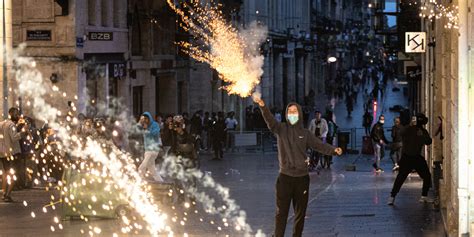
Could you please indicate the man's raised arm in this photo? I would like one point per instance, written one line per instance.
(270, 120)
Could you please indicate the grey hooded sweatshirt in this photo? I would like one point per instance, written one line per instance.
(293, 141)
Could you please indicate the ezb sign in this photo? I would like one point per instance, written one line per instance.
(101, 36)
(415, 42)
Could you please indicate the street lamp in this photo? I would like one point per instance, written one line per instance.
(332, 59)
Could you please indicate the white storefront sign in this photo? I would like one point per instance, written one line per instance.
(415, 42)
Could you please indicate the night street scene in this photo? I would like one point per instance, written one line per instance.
(265, 118)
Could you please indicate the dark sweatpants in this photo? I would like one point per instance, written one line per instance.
(291, 189)
(407, 164)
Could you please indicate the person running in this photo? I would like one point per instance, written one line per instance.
(414, 138)
(292, 184)
(152, 143)
(378, 138)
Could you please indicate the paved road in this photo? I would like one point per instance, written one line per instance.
(342, 203)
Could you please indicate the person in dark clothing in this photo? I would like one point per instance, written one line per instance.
(196, 124)
(196, 129)
(187, 121)
(375, 91)
(257, 118)
(293, 181)
(183, 143)
(28, 149)
(167, 134)
(185, 150)
(218, 136)
(249, 123)
(414, 138)
(396, 147)
(211, 121)
(367, 122)
(205, 130)
(378, 138)
(332, 133)
(349, 104)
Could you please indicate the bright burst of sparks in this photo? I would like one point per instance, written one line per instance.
(232, 53)
(93, 156)
(94, 161)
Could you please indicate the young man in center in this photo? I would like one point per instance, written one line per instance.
(293, 180)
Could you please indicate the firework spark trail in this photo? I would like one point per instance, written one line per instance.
(232, 53)
(118, 166)
(229, 210)
(31, 86)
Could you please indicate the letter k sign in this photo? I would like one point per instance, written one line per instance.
(415, 42)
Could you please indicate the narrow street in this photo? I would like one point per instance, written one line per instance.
(342, 203)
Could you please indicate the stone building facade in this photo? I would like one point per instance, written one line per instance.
(105, 49)
(82, 46)
(447, 95)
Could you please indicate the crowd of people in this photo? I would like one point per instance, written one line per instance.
(27, 152)
(35, 156)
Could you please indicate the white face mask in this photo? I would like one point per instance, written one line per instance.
(293, 118)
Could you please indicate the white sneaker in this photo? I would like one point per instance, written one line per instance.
(395, 168)
(391, 201)
(425, 199)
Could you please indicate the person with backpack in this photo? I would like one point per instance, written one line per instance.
(319, 127)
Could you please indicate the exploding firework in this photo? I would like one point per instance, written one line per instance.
(234, 54)
(101, 177)
(92, 155)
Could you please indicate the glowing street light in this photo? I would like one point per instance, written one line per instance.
(332, 59)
